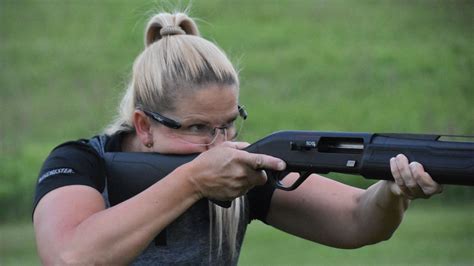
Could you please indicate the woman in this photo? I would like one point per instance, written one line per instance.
(183, 98)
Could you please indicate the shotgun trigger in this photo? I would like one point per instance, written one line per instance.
(276, 177)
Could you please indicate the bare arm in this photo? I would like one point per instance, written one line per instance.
(334, 214)
(73, 227)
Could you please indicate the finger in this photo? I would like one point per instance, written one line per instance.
(237, 144)
(261, 161)
(397, 177)
(251, 179)
(257, 179)
(407, 175)
(424, 180)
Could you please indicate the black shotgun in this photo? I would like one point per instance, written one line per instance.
(307, 152)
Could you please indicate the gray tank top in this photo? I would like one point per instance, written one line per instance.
(187, 240)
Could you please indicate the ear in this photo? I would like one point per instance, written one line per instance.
(142, 127)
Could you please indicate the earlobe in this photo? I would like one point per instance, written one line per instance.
(149, 144)
(143, 128)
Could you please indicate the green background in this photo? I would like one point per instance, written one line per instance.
(365, 66)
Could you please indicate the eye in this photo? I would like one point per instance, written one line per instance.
(231, 123)
(198, 129)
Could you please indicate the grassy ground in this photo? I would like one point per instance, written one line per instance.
(17, 245)
(439, 235)
(429, 235)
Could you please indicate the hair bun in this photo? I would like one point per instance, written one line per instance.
(166, 24)
(171, 30)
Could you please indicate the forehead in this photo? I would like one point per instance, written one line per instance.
(212, 101)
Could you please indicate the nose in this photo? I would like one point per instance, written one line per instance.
(220, 136)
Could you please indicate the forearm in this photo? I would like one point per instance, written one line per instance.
(118, 234)
(379, 212)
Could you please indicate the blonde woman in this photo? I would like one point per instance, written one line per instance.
(183, 98)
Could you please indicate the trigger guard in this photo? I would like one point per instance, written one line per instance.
(276, 176)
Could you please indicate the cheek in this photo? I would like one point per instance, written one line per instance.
(169, 144)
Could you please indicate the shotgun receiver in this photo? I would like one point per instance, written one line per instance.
(307, 152)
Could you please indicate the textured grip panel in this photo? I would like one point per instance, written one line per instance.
(446, 162)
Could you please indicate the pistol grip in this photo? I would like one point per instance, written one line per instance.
(223, 204)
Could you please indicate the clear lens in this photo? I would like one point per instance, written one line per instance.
(205, 135)
(236, 130)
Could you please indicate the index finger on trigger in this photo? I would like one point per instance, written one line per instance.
(262, 161)
(241, 145)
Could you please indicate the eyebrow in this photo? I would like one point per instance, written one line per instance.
(191, 120)
(233, 118)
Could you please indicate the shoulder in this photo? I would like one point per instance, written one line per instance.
(71, 163)
(83, 155)
(76, 156)
(77, 148)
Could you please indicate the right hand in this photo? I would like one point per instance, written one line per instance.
(226, 171)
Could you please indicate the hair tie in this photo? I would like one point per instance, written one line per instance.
(171, 30)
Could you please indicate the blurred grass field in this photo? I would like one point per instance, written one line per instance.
(429, 235)
(385, 66)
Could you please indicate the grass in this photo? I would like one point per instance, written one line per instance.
(429, 235)
(384, 66)
(17, 245)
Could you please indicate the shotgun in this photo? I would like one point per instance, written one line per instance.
(307, 152)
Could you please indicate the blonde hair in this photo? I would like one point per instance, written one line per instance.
(171, 65)
(176, 61)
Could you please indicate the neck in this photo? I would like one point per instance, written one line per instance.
(131, 143)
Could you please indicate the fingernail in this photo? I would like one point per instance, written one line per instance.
(281, 165)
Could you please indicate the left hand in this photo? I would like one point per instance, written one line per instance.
(411, 180)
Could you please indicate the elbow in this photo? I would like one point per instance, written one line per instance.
(68, 257)
(365, 241)
(61, 257)
(71, 257)
(386, 237)
(378, 238)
